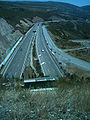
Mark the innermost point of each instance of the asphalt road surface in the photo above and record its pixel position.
(48, 64)
(62, 56)
(16, 63)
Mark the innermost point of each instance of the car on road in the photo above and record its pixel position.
(53, 53)
(42, 50)
(42, 63)
(60, 63)
(51, 49)
(34, 31)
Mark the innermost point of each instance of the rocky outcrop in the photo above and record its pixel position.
(24, 25)
(37, 19)
(8, 37)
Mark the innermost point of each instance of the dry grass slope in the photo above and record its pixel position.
(71, 101)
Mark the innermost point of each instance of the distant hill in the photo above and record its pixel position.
(86, 8)
(14, 11)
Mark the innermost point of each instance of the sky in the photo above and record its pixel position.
(75, 2)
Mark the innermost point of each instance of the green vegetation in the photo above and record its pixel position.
(65, 31)
(35, 70)
(14, 11)
(28, 73)
(13, 16)
(36, 62)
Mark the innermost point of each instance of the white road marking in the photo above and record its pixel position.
(39, 55)
(42, 63)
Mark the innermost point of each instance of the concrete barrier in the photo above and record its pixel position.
(12, 50)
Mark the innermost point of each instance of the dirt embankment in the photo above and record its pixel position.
(8, 37)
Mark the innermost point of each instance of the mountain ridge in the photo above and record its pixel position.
(13, 12)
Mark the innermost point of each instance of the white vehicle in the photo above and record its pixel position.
(39, 55)
(53, 53)
(42, 63)
(42, 50)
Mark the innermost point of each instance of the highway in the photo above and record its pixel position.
(48, 54)
(46, 59)
(62, 56)
(16, 63)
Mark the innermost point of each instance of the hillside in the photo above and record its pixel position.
(70, 101)
(71, 29)
(8, 37)
(86, 8)
(71, 35)
(15, 11)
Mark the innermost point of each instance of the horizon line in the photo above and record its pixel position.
(44, 2)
